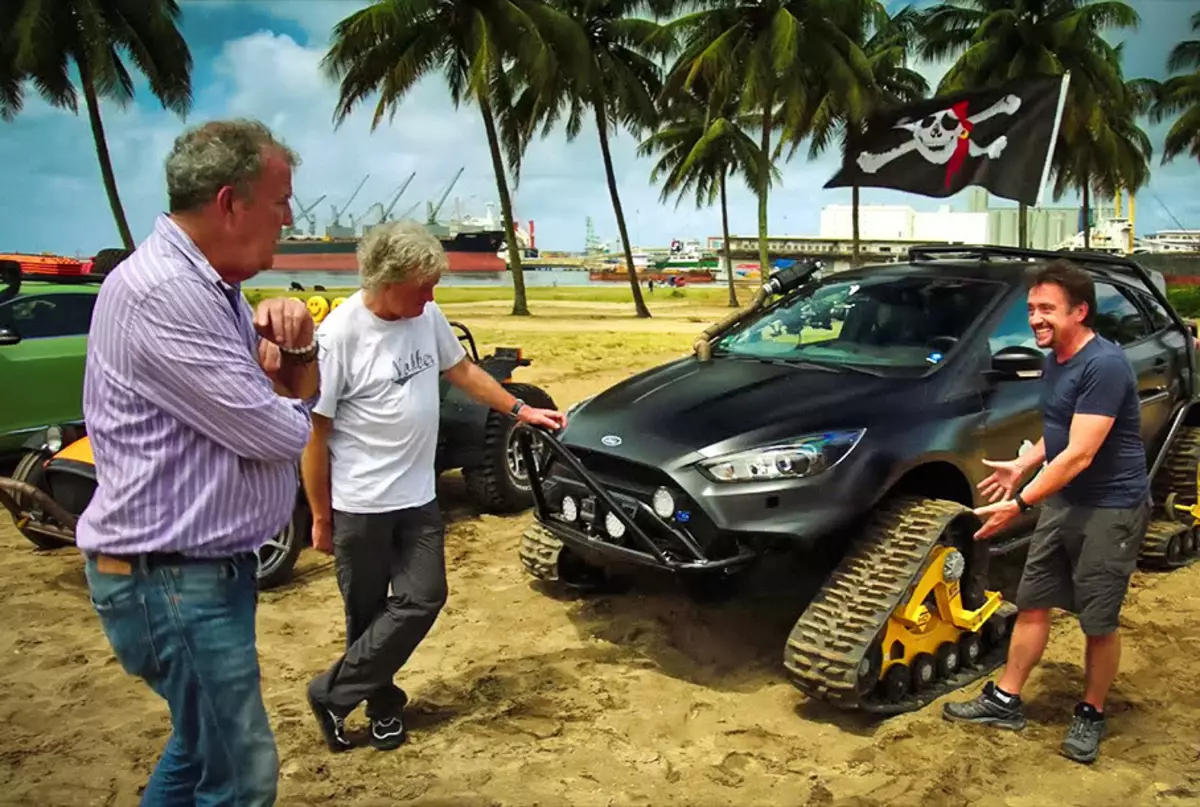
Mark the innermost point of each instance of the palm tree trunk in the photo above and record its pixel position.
(764, 264)
(520, 304)
(854, 259)
(638, 303)
(733, 301)
(1087, 215)
(106, 169)
(1023, 225)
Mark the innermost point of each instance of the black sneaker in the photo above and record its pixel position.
(387, 732)
(1082, 742)
(989, 709)
(332, 725)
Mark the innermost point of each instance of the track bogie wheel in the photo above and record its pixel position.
(997, 630)
(1189, 542)
(924, 671)
(970, 649)
(948, 658)
(868, 669)
(896, 682)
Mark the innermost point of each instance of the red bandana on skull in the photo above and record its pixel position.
(964, 140)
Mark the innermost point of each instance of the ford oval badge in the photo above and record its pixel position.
(610, 440)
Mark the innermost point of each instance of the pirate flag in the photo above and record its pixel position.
(999, 138)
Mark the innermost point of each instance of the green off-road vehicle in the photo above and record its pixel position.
(857, 440)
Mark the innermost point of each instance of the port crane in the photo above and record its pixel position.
(336, 228)
(305, 214)
(383, 216)
(435, 209)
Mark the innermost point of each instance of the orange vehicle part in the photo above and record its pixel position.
(46, 264)
(78, 451)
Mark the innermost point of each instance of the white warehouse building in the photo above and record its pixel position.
(903, 223)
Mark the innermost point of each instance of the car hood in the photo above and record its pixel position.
(681, 411)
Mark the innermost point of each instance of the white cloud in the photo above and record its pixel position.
(55, 199)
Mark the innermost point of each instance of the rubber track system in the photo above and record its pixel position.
(539, 552)
(834, 634)
(1178, 472)
(1157, 552)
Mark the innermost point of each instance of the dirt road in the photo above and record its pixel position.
(522, 698)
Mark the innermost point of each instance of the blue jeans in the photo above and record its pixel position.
(188, 631)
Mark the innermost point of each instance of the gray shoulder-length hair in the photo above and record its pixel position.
(399, 252)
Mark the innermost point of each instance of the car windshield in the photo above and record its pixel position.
(879, 320)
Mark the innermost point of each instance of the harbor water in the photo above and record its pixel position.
(341, 280)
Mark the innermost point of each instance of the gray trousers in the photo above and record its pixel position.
(403, 549)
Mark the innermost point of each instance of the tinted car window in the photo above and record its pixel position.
(1117, 318)
(1159, 318)
(1014, 329)
(38, 316)
(882, 320)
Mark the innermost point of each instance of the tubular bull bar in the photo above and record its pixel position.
(682, 554)
(12, 492)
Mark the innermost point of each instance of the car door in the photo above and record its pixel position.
(1013, 418)
(1172, 347)
(43, 368)
(1121, 321)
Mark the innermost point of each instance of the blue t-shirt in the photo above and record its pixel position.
(1098, 380)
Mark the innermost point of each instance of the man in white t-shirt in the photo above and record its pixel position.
(369, 470)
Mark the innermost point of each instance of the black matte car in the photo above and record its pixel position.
(861, 437)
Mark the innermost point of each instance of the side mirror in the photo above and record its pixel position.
(8, 337)
(1018, 361)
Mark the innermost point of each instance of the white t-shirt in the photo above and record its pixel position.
(379, 384)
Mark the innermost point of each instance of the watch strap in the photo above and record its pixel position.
(517, 407)
(1022, 505)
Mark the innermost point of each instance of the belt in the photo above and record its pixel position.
(147, 561)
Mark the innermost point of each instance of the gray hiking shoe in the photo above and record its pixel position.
(1082, 742)
(988, 709)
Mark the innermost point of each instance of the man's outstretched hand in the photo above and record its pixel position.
(995, 517)
(285, 321)
(1002, 480)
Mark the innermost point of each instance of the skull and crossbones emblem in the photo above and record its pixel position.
(944, 138)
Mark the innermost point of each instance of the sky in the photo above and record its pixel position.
(260, 59)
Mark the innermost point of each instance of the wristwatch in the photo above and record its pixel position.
(517, 407)
(1022, 505)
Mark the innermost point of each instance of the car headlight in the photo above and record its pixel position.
(54, 439)
(805, 456)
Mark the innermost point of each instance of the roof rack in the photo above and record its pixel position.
(64, 280)
(985, 252)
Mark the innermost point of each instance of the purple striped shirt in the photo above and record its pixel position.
(194, 451)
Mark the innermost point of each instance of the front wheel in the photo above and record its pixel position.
(277, 557)
(500, 483)
(30, 471)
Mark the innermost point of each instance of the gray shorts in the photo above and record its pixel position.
(1080, 560)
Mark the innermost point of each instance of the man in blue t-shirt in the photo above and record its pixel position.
(1095, 496)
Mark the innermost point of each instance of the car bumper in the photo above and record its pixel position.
(714, 526)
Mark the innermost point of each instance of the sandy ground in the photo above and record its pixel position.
(524, 698)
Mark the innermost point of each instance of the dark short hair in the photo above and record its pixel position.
(1073, 279)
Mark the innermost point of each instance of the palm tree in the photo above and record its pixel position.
(39, 39)
(1180, 95)
(700, 151)
(1002, 40)
(1107, 153)
(614, 76)
(886, 40)
(777, 56)
(479, 46)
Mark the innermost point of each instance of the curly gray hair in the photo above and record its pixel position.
(399, 252)
(212, 155)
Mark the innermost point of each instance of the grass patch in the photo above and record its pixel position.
(716, 294)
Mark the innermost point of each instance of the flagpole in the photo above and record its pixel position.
(1058, 115)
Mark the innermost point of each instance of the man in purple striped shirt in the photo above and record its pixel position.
(198, 410)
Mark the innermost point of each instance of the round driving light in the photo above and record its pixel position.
(664, 503)
(614, 525)
(953, 566)
(54, 439)
(570, 508)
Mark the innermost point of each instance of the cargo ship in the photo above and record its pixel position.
(470, 251)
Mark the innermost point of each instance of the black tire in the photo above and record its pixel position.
(30, 471)
(498, 484)
(277, 558)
